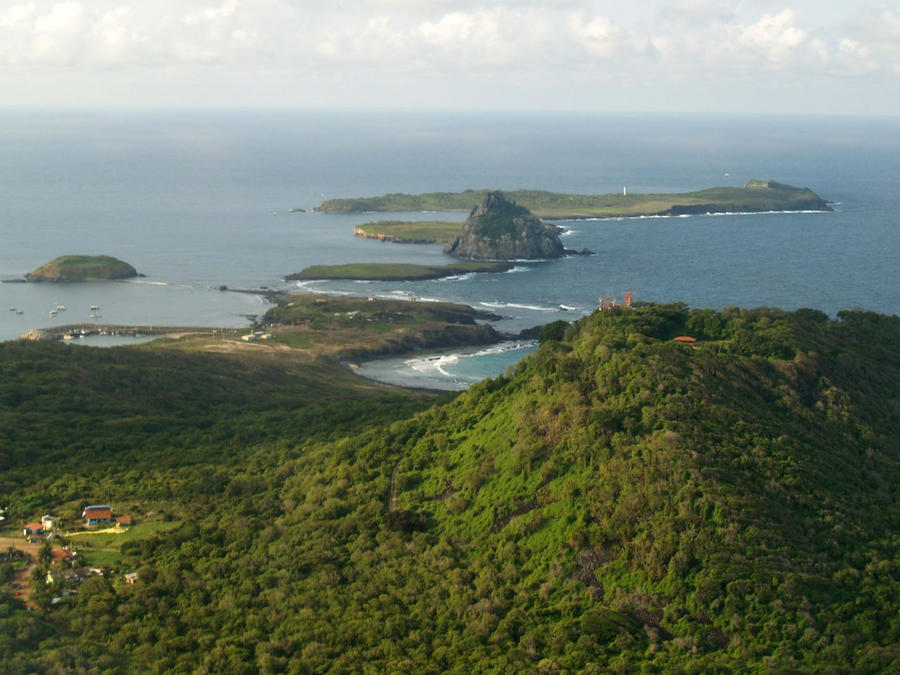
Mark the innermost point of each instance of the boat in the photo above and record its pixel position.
(53, 312)
(60, 308)
(12, 309)
(94, 308)
(20, 311)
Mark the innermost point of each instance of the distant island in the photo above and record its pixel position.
(70, 268)
(755, 197)
(394, 271)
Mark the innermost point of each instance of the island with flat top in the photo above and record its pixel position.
(395, 271)
(410, 231)
(71, 268)
(756, 196)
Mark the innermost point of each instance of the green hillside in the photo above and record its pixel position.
(755, 196)
(618, 502)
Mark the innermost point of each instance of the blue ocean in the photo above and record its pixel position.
(196, 200)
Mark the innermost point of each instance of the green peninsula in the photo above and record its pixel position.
(69, 268)
(756, 196)
(395, 271)
(410, 231)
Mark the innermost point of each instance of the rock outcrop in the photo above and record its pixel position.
(498, 229)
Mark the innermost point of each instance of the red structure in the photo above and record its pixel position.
(627, 295)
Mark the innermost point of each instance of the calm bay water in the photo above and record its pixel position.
(196, 200)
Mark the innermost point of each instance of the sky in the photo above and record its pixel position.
(706, 56)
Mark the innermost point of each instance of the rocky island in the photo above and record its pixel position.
(756, 196)
(70, 268)
(498, 229)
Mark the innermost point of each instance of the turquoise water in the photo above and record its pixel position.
(454, 370)
(197, 200)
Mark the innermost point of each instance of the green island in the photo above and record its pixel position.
(755, 196)
(396, 271)
(410, 232)
(619, 501)
(69, 268)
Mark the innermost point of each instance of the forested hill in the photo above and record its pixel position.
(621, 501)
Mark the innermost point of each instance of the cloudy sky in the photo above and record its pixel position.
(769, 56)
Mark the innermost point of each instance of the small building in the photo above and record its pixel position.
(123, 521)
(50, 523)
(97, 514)
(687, 339)
(33, 529)
(131, 578)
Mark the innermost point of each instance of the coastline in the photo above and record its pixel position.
(642, 216)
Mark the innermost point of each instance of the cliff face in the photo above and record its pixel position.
(498, 229)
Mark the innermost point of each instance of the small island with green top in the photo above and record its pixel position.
(410, 231)
(72, 268)
(756, 196)
(395, 271)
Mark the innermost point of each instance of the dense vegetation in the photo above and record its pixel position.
(618, 501)
(756, 196)
(396, 271)
(82, 268)
(410, 232)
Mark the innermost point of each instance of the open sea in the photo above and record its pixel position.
(195, 200)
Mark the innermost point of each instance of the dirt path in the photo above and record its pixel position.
(392, 502)
(21, 577)
(108, 530)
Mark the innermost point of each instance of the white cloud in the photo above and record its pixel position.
(598, 35)
(64, 17)
(774, 36)
(574, 44)
(475, 38)
(16, 15)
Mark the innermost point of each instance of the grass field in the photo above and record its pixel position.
(103, 549)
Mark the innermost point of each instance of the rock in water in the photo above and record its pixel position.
(498, 229)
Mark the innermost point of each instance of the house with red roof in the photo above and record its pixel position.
(97, 514)
(32, 529)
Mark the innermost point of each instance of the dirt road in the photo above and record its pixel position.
(21, 577)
